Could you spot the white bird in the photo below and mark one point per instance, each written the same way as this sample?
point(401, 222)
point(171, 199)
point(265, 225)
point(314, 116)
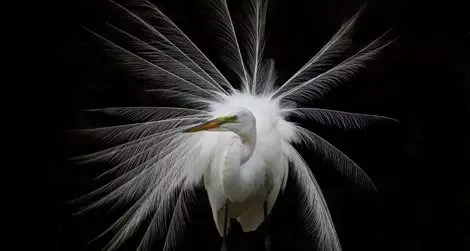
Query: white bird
point(238, 143)
point(244, 173)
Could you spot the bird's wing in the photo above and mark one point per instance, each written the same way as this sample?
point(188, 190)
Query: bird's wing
point(254, 216)
point(275, 177)
point(212, 179)
point(279, 173)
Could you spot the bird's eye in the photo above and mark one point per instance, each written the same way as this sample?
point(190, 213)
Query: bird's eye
point(235, 117)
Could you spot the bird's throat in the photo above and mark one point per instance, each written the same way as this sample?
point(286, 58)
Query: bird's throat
point(249, 143)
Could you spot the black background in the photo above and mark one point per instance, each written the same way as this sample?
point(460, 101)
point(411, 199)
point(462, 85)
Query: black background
point(418, 166)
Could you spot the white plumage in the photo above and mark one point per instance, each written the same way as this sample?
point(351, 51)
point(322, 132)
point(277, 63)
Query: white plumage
point(242, 154)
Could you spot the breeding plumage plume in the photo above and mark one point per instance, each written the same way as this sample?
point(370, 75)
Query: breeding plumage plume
point(238, 143)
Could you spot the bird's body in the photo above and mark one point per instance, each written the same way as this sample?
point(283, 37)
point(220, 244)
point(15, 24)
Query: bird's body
point(248, 166)
point(242, 186)
point(238, 144)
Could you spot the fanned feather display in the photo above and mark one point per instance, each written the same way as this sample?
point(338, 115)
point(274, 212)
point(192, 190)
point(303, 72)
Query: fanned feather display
point(157, 167)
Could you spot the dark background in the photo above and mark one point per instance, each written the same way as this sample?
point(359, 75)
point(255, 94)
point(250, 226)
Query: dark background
point(419, 166)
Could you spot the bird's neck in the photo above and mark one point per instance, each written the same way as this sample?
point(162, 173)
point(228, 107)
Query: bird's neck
point(249, 143)
point(236, 179)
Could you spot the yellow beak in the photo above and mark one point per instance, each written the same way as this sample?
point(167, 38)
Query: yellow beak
point(212, 124)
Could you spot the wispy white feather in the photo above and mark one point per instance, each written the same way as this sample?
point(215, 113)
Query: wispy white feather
point(169, 176)
point(340, 119)
point(166, 62)
point(320, 85)
point(180, 219)
point(127, 223)
point(126, 147)
point(336, 157)
point(151, 72)
point(181, 98)
point(230, 48)
point(143, 177)
point(150, 113)
point(268, 78)
point(141, 211)
point(140, 158)
point(255, 28)
point(169, 38)
point(138, 130)
point(314, 210)
point(324, 58)
point(158, 227)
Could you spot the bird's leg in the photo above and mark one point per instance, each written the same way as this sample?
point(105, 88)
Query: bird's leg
point(224, 241)
point(267, 240)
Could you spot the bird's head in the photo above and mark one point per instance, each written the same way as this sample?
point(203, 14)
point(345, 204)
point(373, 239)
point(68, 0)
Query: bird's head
point(240, 121)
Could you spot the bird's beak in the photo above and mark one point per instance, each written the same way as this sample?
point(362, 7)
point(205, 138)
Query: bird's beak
point(211, 124)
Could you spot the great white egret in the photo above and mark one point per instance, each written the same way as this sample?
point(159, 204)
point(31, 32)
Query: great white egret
point(238, 143)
